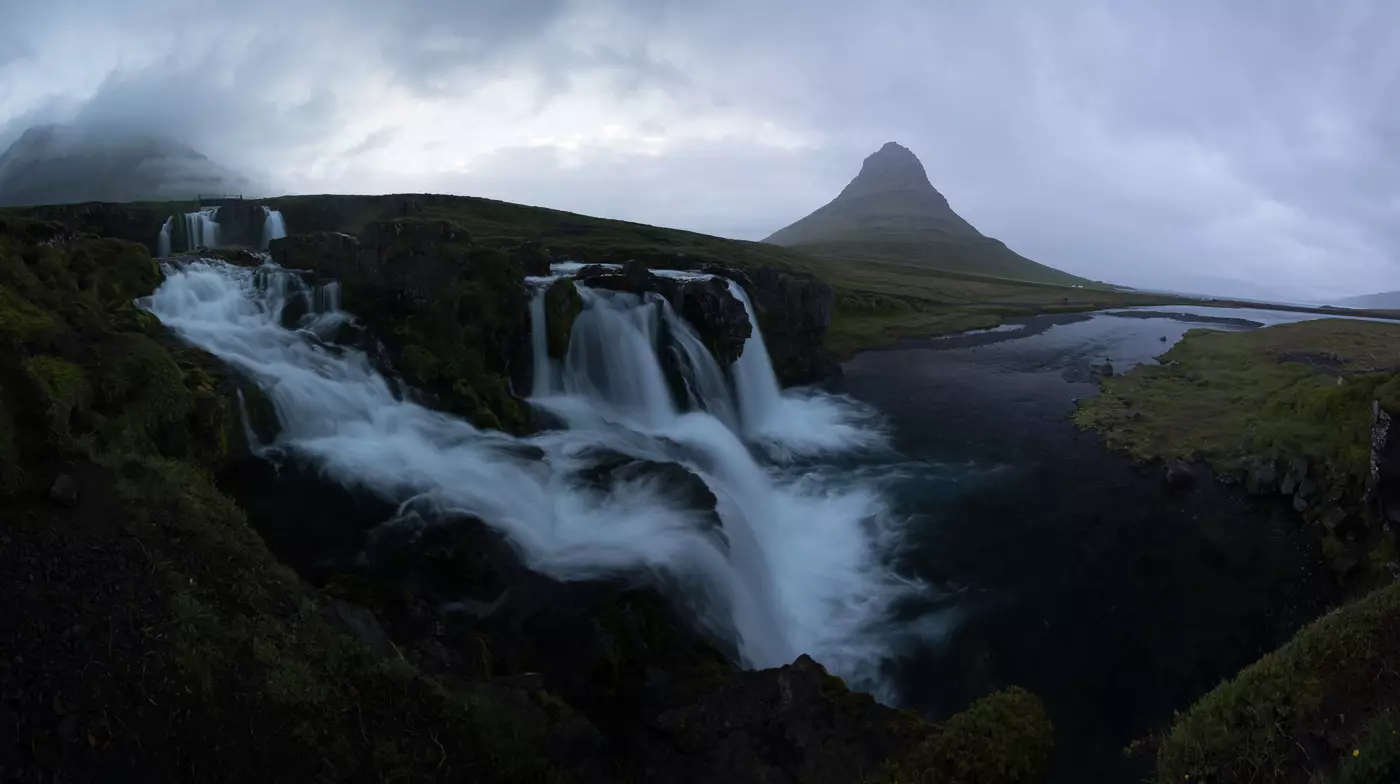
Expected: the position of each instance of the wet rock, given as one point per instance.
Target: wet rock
(1163, 338)
(1179, 476)
(1105, 370)
(792, 723)
(666, 479)
(717, 316)
(794, 311)
(64, 491)
(361, 624)
(1294, 477)
(1261, 477)
(562, 305)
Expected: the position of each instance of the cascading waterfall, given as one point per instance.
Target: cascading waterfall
(201, 230)
(795, 568)
(163, 240)
(274, 227)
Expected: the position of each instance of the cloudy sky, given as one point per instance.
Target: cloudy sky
(1189, 144)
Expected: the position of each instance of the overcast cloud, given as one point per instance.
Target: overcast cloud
(1183, 144)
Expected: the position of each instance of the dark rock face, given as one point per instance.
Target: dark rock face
(562, 305)
(64, 491)
(122, 221)
(794, 312)
(683, 486)
(240, 223)
(1179, 476)
(1261, 477)
(791, 724)
(1384, 485)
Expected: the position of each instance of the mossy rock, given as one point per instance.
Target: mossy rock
(63, 389)
(1003, 738)
(562, 304)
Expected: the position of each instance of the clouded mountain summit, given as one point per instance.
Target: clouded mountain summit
(58, 164)
(891, 212)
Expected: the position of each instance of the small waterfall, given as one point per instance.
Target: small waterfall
(201, 230)
(796, 566)
(274, 227)
(612, 358)
(163, 240)
(704, 381)
(543, 383)
(754, 380)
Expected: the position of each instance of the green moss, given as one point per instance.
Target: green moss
(145, 388)
(1375, 758)
(1246, 729)
(63, 390)
(1003, 738)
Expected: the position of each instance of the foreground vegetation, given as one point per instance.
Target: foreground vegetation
(1323, 708)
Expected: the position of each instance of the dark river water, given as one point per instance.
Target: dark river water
(1059, 566)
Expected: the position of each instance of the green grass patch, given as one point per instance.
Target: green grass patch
(1252, 727)
(1004, 738)
(1291, 390)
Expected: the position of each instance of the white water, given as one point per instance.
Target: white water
(800, 422)
(201, 230)
(163, 240)
(274, 227)
(796, 568)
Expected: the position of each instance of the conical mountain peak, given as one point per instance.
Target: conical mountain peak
(892, 191)
(891, 212)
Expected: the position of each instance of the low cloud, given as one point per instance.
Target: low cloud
(1151, 146)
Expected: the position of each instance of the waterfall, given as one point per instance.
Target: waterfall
(163, 240)
(274, 227)
(201, 230)
(704, 381)
(796, 567)
(543, 365)
(754, 381)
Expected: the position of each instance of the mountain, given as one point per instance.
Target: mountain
(61, 164)
(1386, 300)
(891, 212)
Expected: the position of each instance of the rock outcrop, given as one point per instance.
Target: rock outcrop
(453, 315)
(794, 312)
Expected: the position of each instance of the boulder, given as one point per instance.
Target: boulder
(1179, 476)
(717, 316)
(64, 491)
(1294, 476)
(1261, 476)
(673, 480)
